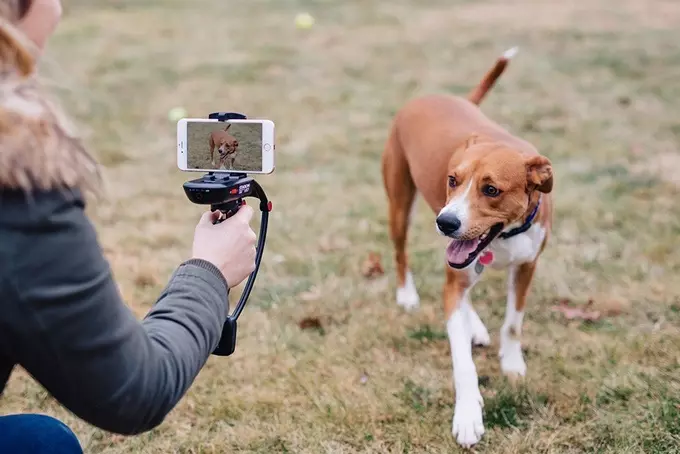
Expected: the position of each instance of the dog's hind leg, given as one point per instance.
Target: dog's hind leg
(519, 282)
(401, 192)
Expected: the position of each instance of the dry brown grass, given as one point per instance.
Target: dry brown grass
(595, 87)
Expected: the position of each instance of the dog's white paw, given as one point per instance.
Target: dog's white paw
(480, 335)
(512, 361)
(407, 296)
(468, 424)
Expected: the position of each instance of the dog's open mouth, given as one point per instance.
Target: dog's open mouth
(460, 253)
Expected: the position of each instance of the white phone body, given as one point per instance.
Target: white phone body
(244, 148)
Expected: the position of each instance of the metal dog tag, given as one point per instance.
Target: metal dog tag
(479, 267)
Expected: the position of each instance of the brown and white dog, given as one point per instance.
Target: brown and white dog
(491, 192)
(227, 148)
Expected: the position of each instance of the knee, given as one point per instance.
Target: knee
(60, 434)
(42, 434)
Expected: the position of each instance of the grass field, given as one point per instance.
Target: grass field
(594, 87)
(248, 157)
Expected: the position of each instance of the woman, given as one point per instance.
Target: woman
(62, 318)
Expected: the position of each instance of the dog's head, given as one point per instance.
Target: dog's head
(227, 144)
(489, 187)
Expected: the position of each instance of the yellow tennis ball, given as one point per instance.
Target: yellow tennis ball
(304, 21)
(177, 113)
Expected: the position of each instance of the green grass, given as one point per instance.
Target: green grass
(511, 408)
(594, 87)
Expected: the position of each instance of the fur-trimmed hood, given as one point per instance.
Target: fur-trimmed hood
(37, 150)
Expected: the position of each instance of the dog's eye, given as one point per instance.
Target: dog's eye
(452, 182)
(491, 191)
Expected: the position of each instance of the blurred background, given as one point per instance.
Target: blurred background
(326, 362)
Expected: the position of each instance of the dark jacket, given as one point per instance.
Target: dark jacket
(63, 320)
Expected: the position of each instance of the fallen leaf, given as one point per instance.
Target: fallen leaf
(577, 312)
(372, 266)
(310, 323)
(624, 101)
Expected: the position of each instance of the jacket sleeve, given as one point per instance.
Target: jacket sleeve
(75, 335)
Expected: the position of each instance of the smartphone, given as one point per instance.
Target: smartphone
(207, 145)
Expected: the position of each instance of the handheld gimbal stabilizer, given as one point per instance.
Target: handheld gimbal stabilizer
(225, 192)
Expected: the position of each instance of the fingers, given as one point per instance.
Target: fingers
(245, 213)
(209, 217)
(205, 217)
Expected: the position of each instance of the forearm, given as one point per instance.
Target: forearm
(122, 375)
(176, 339)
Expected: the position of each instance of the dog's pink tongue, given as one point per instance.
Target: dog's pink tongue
(459, 250)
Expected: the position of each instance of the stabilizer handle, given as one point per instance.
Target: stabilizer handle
(225, 192)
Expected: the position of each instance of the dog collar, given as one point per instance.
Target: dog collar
(524, 227)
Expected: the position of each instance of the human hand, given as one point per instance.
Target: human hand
(229, 245)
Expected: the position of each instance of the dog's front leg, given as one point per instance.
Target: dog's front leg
(468, 425)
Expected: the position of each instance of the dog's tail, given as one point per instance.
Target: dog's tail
(490, 78)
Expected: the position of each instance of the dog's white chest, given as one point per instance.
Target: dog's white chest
(522, 248)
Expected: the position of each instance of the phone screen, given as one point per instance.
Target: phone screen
(224, 146)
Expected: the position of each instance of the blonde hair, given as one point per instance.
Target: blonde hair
(37, 149)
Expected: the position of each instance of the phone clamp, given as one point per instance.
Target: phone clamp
(226, 192)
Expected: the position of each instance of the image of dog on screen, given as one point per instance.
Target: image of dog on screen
(225, 146)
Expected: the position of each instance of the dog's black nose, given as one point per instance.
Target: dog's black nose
(448, 223)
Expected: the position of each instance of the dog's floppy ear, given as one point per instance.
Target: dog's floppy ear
(228, 126)
(539, 174)
(235, 143)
